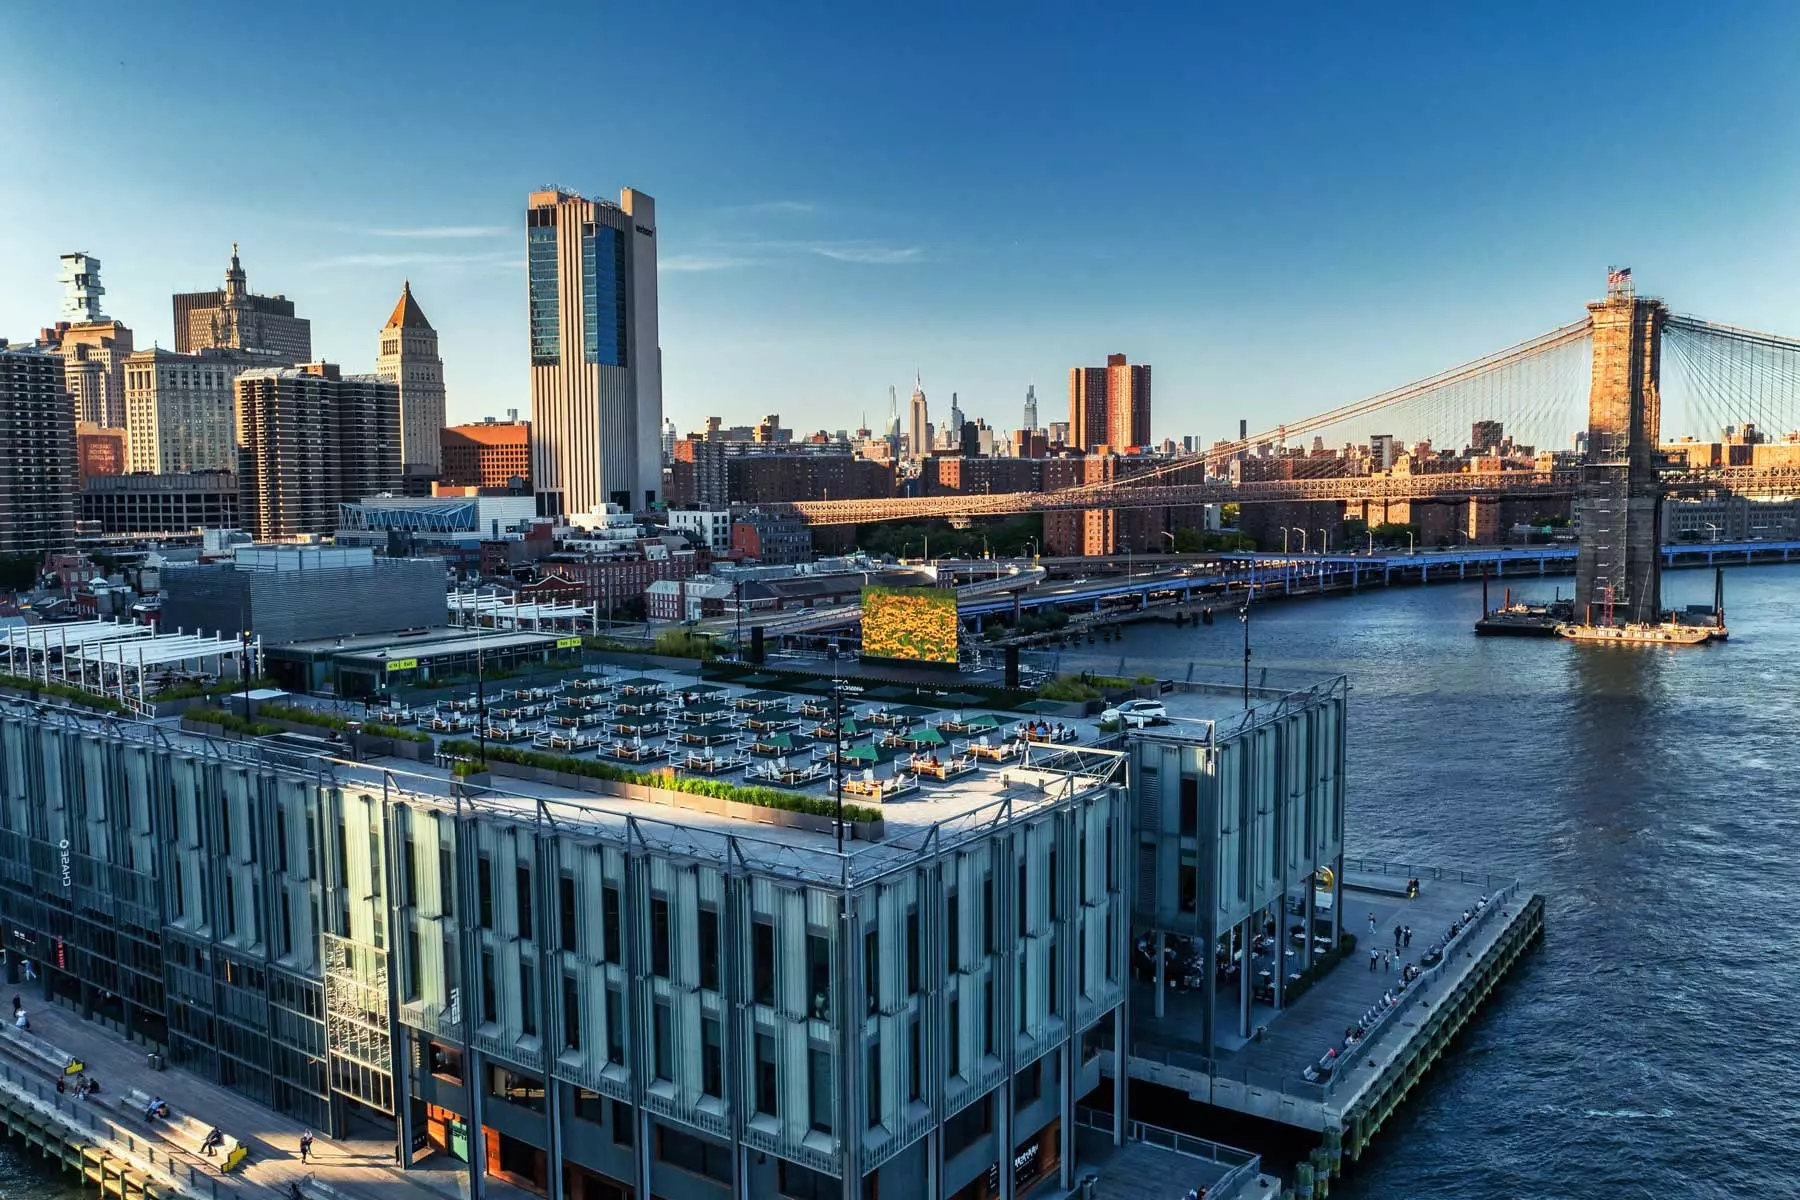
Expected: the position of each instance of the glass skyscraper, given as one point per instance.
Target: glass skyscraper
(596, 412)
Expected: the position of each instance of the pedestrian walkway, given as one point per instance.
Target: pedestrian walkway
(353, 1168)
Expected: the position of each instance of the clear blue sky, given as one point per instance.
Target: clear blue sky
(1279, 211)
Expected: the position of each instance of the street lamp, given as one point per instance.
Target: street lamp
(1302, 534)
(1244, 618)
(1371, 537)
(1171, 538)
(1714, 528)
(1324, 541)
(1409, 541)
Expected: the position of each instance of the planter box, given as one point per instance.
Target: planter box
(479, 779)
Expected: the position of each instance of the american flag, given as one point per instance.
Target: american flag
(1617, 276)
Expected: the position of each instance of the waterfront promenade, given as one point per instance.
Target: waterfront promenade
(353, 1168)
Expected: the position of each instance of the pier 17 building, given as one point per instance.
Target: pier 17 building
(600, 996)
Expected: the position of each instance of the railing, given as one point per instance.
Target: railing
(1240, 1165)
(82, 1114)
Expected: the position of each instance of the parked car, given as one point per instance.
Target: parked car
(1138, 713)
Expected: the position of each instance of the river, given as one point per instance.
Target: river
(1648, 1047)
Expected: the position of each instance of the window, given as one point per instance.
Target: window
(914, 1061)
(1024, 905)
(489, 1007)
(624, 1123)
(615, 1027)
(762, 958)
(709, 949)
(609, 922)
(446, 1061)
(874, 1086)
(565, 897)
(484, 888)
(968, 1126)
(767, 1100)
(1188, 885)
(952, 936)
(1111, 854)
(989, 917)
(988, 1018)
(689, 1153)
(712, 1060)
(571, 1009)
(659, 937)
(818, 974)
(664, 1039)
(603, 295)
(590, 1106)
(409, 987)
(872, 969)
(1052, 885)
(1053, 982)
(527, 1000)
(1028, 1085)
(516, 1087)
(803, 1183)
(953, 1035)
(1190, 806)
(543, 288)
(912, 951)
(818, 1089)
(522, 890)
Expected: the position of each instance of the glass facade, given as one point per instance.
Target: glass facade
(603, 295)
(540, 269)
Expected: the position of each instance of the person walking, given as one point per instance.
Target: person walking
(1372, 925)
(1408, 941)
(305, 1145)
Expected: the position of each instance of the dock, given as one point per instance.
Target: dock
(1296, 1068)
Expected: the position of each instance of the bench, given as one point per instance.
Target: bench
(35, 1047)
(189, 1132)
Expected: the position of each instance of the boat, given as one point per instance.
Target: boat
(1668, 633)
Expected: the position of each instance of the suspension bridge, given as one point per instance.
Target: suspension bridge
(1583, 409)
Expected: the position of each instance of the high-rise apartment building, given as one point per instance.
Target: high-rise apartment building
(919, 434)
(409, 358)
(37, 451)
(1110, 405)
(308, 440)
(1030, 420)
(596, 361)
(233, 318)
(179, 410)
(488, 454)
(94, 347)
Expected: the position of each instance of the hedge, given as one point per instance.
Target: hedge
(312, 716)
(1068, 689)
(762, 797)
(232, 722)
(62, 691)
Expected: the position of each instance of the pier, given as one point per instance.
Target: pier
(1293, 1067)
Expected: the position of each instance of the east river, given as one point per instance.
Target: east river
(1651, 1046)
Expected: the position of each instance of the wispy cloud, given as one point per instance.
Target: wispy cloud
(872, 253)
(485, 260)
(704, 262)
(434, 232)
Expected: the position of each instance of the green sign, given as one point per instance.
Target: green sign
(568, 643)
(402, 664)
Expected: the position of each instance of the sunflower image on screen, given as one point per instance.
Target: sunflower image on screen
(911, 623)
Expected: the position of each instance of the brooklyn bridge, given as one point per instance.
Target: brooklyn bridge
(1601, 399)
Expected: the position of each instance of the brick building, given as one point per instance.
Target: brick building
(487, 454)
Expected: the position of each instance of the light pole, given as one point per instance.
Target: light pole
(1409, 542)
(1284, 533)
(1714, 528)
(1244, 617)
(1171, 538)
(1324, 541)
(1371, 545)
(1302, 534)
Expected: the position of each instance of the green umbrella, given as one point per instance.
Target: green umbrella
(984, 721)
(927, 737)
(779, 741)
(914, 712)
(862, 754)
(764, 697)
(890, 692)
(642, 681)
(710, 732)
(758, 680)
(1041, 707)
(700, 689)
(958, 699)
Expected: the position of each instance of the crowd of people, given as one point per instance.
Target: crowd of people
(1044, 731)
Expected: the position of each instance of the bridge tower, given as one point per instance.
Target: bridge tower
(1619, 507)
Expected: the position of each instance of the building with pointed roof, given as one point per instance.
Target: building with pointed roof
(409, 357)
(234, 318)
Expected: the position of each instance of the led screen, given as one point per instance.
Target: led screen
(909, 623)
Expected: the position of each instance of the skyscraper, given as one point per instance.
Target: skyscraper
(94, 347)
(596, 361)
(1110, 405)
(956, 417)
(409, 358)
(232, 317)
(920, 431)
(37, 451)
(179, 410)
(1031, 418)
(308, 440)
(892, 430)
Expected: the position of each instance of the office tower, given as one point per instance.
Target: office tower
(920, 432)
(232, 317)
(1031, 418)
(668, 441)
(93, 345)
(892, 430)
(490, 454)
(596, 362)
(1110, 405)
(310, 439)
(179, 410)
(409, 358)
(37, 451)
(956, 416)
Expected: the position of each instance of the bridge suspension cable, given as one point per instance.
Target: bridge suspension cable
(1721, 375)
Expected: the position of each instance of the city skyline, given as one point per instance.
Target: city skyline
(1322, 207)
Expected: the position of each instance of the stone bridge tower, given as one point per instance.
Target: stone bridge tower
(1620, 505)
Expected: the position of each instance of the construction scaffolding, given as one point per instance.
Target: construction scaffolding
(502, 612)
(119, 659)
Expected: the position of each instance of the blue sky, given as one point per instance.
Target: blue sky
(1280, 211)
